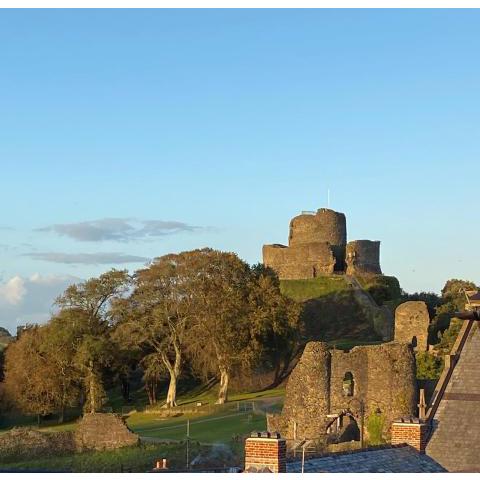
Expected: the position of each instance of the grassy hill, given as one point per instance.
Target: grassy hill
(332, 311)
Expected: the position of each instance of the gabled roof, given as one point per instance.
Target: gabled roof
(474, 297)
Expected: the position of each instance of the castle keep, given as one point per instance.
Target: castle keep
(317, 245)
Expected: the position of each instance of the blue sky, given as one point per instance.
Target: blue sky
(195, 128)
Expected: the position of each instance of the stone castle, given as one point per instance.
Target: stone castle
(317, 245)
(327, 384)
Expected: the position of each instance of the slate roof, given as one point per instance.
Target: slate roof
(401, 459)
(456, 424)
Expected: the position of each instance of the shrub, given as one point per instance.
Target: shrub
(375, 424)
(429, 367)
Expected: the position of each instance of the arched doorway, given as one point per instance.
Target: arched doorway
(343, 428)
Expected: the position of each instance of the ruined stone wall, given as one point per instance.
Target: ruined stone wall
(325, 226)
(103, 431)
(300, 261)
(383, 378)
(363, 256)
(411, 324)
(21, 443)
(307, 396)
(317, 245)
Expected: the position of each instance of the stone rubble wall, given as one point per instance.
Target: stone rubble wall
(103, 431)
(317, 245)
(411, 324)
(363, 256)
(23, 443)
(300, 261)
(383, 376)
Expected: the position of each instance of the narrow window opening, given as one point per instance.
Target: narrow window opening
(348, 385)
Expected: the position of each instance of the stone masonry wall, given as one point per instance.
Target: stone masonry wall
(307, 396)
(325, 226)
(383, 378)
(363, 256)
(103, 431)
(300, 261)
(317, 245)
(411, 324)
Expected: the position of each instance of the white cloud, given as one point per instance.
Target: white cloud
(30, 299)
(12, 292)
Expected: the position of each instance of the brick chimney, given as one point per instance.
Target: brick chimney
(265, 452)
(411, 431)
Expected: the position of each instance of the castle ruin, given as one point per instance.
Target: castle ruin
(327, 384)
(317, 245)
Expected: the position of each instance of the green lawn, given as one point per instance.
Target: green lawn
(217, 428)
(301, 290)
(206, 425)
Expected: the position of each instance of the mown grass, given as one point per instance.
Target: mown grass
(205, 429)
(302, 290)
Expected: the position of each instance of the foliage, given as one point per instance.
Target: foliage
(382, 288)
(429, 366)
(448, 337)
(432, 300)
(375, 426)
(32, 383)
(85, 316)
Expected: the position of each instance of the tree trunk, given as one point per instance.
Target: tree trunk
(148, 389)
(38, 420)
(61, 417)
(172, 391)
(174, 372)
(92, 392)
(223, 392)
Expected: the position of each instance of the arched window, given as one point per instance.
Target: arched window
(348, 385)
(414, 341)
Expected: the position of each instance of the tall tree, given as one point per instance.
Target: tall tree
(87, 308)
(277, 331)
(155, 316)
(219, 336)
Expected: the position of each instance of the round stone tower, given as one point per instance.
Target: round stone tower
(324, 226)
(363, 256)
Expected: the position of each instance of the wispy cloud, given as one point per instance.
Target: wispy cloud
(119, 229)
(100, 258)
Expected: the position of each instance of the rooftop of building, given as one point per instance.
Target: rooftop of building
(398, 459)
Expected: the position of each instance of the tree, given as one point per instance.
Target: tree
(219, 336)
(276, 327)
(453, 293)
(155, 316)
(442, 330)
(85, 307)
(31, 384)
(429, 367)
